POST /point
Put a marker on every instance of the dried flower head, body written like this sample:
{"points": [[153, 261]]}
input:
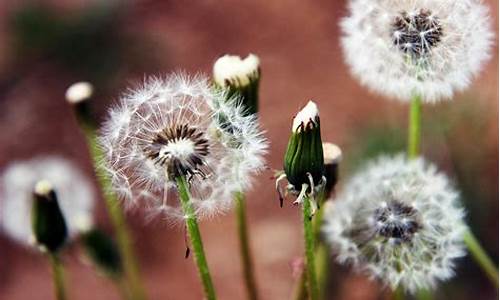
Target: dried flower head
{"points": [[241, 77], [403, 48], [398, 220], [304, 166], [179, 126], [75, 196]]}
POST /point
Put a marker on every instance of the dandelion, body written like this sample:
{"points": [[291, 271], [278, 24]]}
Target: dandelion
{"points": [[241, 76], [178, 126], [304, 162], [428, 48], [332, 156], [74, 192], [178, 135], [400, 221], [305, 172]]}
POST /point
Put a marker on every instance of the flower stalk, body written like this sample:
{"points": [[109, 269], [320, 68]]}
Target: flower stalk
{"points": [[246, 257], [58, 276], [195, 238], [414, 127], [481, 257], [309, 239], [80, 103]]}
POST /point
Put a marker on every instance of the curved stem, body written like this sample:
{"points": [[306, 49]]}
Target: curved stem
{"points": [[481, 257], [58, 277], [195, 237], [414, 127], [117, 218], [246, 257], [309, 239]]}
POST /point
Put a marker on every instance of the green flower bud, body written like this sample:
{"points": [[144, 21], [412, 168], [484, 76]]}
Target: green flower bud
{"points": [[332, 155], [47, 220], [239, 77], [304, 154], [78, 95], [103, 252]]}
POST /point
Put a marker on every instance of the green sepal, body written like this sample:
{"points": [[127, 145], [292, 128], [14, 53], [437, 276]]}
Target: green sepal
{"points": [[47, 220], [103, 252]]}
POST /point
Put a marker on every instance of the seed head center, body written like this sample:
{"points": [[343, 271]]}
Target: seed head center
{"points": [[180, 149], [416, 33], [397, 220]]}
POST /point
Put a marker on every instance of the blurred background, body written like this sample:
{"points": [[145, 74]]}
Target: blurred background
{"points": [[47, 45]]}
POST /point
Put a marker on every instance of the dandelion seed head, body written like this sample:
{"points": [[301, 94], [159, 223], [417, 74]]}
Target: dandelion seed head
{"points": [[407, 232], [75, 195], [430, 48], [180, 126]]}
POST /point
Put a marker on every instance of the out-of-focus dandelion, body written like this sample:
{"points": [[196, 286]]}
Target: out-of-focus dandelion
{"points": [[424, 48], [178, 135], [400, 221], [79, 96], [180, 127], [74, 192], [239, 76]]}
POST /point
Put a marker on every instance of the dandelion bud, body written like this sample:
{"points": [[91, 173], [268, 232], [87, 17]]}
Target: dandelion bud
{"points": [[332, 156], [304, 155], [78, 95], [241, 77], [49, 226], [399, 221], [103, 252]]}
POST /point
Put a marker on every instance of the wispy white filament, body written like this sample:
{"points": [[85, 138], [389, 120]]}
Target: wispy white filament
{"points": [[437, 47], [399, 221]]}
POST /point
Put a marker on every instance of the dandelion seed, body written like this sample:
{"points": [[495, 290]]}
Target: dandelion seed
{"points": [[429, 48], [75, 196], [179, 126], [399, 221]]}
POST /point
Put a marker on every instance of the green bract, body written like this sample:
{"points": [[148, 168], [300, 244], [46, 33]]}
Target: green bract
{"points": [[304, 154]]}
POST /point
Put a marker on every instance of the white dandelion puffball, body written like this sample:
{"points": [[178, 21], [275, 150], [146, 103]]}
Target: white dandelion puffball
{"points": [[75, 195], [407, 48], [180, 126], [399, 221]]}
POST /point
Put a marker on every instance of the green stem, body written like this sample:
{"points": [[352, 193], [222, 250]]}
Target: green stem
{"points": [[58, 276], [117, 218], [414, 127], [398, 294], [481, 257], [424, 295], [195, 237], [246, 257], [309, 239], [300, 291]]}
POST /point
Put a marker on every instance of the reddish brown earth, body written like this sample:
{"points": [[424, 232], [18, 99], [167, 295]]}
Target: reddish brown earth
{"points": [[301, 59]]}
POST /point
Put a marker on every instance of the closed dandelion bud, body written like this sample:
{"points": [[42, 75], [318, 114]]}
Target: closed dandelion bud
{"points": [[49, 226], [239, 77], [103, 252], [400, 221], [78, 95], [304, 155], [332, 155]]}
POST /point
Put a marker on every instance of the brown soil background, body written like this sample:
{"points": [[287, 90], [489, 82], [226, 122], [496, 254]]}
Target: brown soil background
{"points": [[297, 42]]}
